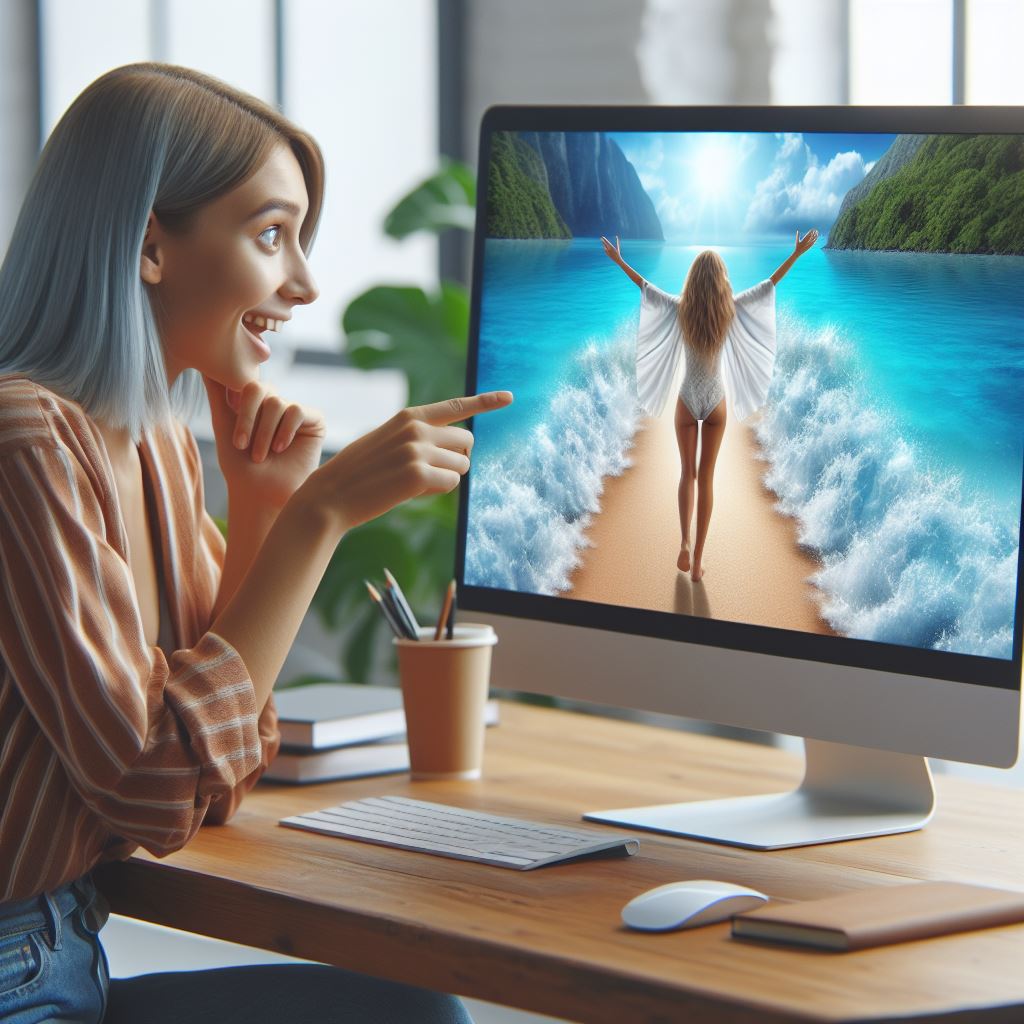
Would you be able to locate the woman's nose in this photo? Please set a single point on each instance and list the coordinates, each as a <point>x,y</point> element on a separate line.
<point>301,286</point>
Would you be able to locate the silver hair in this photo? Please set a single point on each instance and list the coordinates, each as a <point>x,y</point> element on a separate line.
<point>75,315</point>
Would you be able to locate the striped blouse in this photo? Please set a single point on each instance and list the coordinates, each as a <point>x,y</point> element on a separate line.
<point>106,743</point>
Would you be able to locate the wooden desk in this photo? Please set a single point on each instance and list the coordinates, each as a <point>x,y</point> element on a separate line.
<point>550,940</point>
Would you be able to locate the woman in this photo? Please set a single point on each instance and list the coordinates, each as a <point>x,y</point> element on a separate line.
<point>165,232</point>
<point>727,344</point>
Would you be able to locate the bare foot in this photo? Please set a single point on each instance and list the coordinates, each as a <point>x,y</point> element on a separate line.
<point>697,574</point>
<point>684,559</point>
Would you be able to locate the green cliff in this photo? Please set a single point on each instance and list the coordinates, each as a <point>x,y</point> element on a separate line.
<point>959,194</point>
<point>518,200</point>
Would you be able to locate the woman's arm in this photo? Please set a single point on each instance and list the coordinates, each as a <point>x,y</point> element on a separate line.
<point>799,248</point>
<point>416,452</point>
<point>615,255</point>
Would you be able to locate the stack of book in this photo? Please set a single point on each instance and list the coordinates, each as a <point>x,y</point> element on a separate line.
<point>342,731</point>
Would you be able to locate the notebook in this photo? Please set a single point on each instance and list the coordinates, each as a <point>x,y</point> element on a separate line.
<point>326,715</point>
<point>352,762</point>
<point>883,915</point>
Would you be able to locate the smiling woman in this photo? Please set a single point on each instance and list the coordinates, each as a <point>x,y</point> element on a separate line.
<point>165,231</point>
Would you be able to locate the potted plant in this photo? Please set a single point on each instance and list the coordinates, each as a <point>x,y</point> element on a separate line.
<point>424,335</point>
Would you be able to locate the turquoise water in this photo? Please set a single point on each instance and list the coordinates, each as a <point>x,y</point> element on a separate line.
<point>939,340</point>
<point>893,430</point>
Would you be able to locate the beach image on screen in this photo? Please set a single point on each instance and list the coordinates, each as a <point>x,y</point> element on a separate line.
<point>875,490</point>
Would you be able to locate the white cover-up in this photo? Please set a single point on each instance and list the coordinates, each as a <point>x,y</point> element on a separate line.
<point>747,358</point>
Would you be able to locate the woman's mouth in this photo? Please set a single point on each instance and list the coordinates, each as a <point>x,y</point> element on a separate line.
<point>254,325</point>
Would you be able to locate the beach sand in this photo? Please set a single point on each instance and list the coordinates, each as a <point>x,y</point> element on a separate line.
<point>755,572</point>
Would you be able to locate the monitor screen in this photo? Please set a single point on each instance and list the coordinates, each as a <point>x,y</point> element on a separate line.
<point>863,389</point>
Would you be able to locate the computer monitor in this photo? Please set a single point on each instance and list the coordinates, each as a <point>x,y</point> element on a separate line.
<point>862,567</point>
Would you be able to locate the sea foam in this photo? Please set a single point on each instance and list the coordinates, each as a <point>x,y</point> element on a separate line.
<point>529,508</point>
<point>908,555</point>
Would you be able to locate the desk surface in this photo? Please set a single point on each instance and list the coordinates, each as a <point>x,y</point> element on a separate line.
<point>550,940</point>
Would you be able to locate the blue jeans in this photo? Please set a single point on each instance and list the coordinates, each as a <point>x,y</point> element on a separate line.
<point>53,968</point>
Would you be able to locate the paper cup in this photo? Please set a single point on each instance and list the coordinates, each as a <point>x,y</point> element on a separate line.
<point>444,689</point>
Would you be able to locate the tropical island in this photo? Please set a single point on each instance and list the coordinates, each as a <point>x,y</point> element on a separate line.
<point>551,185</point>
<point>940,193</point>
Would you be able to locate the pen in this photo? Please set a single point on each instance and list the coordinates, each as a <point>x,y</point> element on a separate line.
<point>446,608</point>
<point>401,604</point>
<point>388,614</point>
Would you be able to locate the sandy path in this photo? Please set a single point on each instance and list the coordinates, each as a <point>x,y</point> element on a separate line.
<point>755,571</point>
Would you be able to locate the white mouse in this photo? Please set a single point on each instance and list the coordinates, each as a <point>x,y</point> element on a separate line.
<point>689,905</point>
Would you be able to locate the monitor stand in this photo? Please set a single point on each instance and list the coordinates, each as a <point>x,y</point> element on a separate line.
<point>847,793</point>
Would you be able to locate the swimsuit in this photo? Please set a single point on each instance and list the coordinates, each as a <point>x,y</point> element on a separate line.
<point>702,388</point>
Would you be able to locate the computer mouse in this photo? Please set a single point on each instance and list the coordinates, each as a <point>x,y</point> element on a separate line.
<point>689,905</point>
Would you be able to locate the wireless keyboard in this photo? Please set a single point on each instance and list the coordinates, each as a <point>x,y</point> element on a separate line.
<point>466,835</point>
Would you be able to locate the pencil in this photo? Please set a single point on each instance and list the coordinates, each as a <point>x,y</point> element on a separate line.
<point>388,599</point>
<point>446,608</point>
<point>451,612</point>
<point>385,610</point>
<point>402,604</point>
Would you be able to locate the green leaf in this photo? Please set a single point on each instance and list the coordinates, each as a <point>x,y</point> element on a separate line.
<point>420,334</point>
<point>445,200</point>
<point>362,555</point>
<point>424,335</point>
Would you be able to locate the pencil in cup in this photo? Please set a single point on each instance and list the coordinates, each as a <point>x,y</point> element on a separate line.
<point>447,616</point>
<point>397,626</point>
<point>401,606</point>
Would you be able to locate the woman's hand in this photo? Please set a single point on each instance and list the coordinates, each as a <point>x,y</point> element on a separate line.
<point>415,452</point>
<point>800,246</point>
<point>266,446</point>
<point>803,244</point>
<point>613,252</point>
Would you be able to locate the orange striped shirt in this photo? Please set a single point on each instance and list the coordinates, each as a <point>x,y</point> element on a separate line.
<point>106,743</point>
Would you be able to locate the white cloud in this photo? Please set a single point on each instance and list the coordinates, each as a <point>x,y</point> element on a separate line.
<point>650,182</point>
<point>801,192</point>
<point>675,214</point>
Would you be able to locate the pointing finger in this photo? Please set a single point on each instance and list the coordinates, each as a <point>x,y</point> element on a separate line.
<point>455,409</point>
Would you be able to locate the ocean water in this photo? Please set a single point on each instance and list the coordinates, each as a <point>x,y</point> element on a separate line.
<point>893,431</point>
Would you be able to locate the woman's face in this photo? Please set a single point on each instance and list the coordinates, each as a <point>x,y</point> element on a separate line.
<point>240,256</point>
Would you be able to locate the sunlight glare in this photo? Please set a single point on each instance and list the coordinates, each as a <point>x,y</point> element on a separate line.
<point>714,167</point>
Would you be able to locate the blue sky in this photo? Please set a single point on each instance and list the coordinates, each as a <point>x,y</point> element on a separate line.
<point>729,187</point>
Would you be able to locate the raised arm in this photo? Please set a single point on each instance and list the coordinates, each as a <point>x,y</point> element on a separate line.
<point>615,255</point>
<point>799,248</point>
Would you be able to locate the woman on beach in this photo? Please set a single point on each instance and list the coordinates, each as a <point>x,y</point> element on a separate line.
<point>727,344</point>
<point>164,232</point>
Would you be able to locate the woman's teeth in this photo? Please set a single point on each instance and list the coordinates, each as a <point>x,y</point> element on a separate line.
<point>262,322</point>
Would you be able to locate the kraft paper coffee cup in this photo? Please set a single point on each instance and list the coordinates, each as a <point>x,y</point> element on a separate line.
<point>444,690</point>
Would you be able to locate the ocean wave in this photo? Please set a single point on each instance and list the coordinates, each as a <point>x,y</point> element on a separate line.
<point>908,555</point>
<point>529,509</point>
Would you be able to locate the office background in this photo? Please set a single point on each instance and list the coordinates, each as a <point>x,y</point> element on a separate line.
<point>387,87</point>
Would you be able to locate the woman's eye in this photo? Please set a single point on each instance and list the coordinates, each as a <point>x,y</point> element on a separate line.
<point>271,240</point>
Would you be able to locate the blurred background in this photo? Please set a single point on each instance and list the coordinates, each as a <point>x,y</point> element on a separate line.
<point>392,88</point>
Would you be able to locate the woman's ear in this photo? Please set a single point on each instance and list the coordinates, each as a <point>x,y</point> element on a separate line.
<point>151,263</point>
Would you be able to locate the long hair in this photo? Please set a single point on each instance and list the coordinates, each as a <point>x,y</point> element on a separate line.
<point>75,315</point>
<point>707,309</point>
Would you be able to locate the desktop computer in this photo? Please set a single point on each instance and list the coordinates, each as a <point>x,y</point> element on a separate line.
<point>861,571</point>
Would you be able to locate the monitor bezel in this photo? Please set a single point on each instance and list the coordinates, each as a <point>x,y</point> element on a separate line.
<point>900,659</point>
